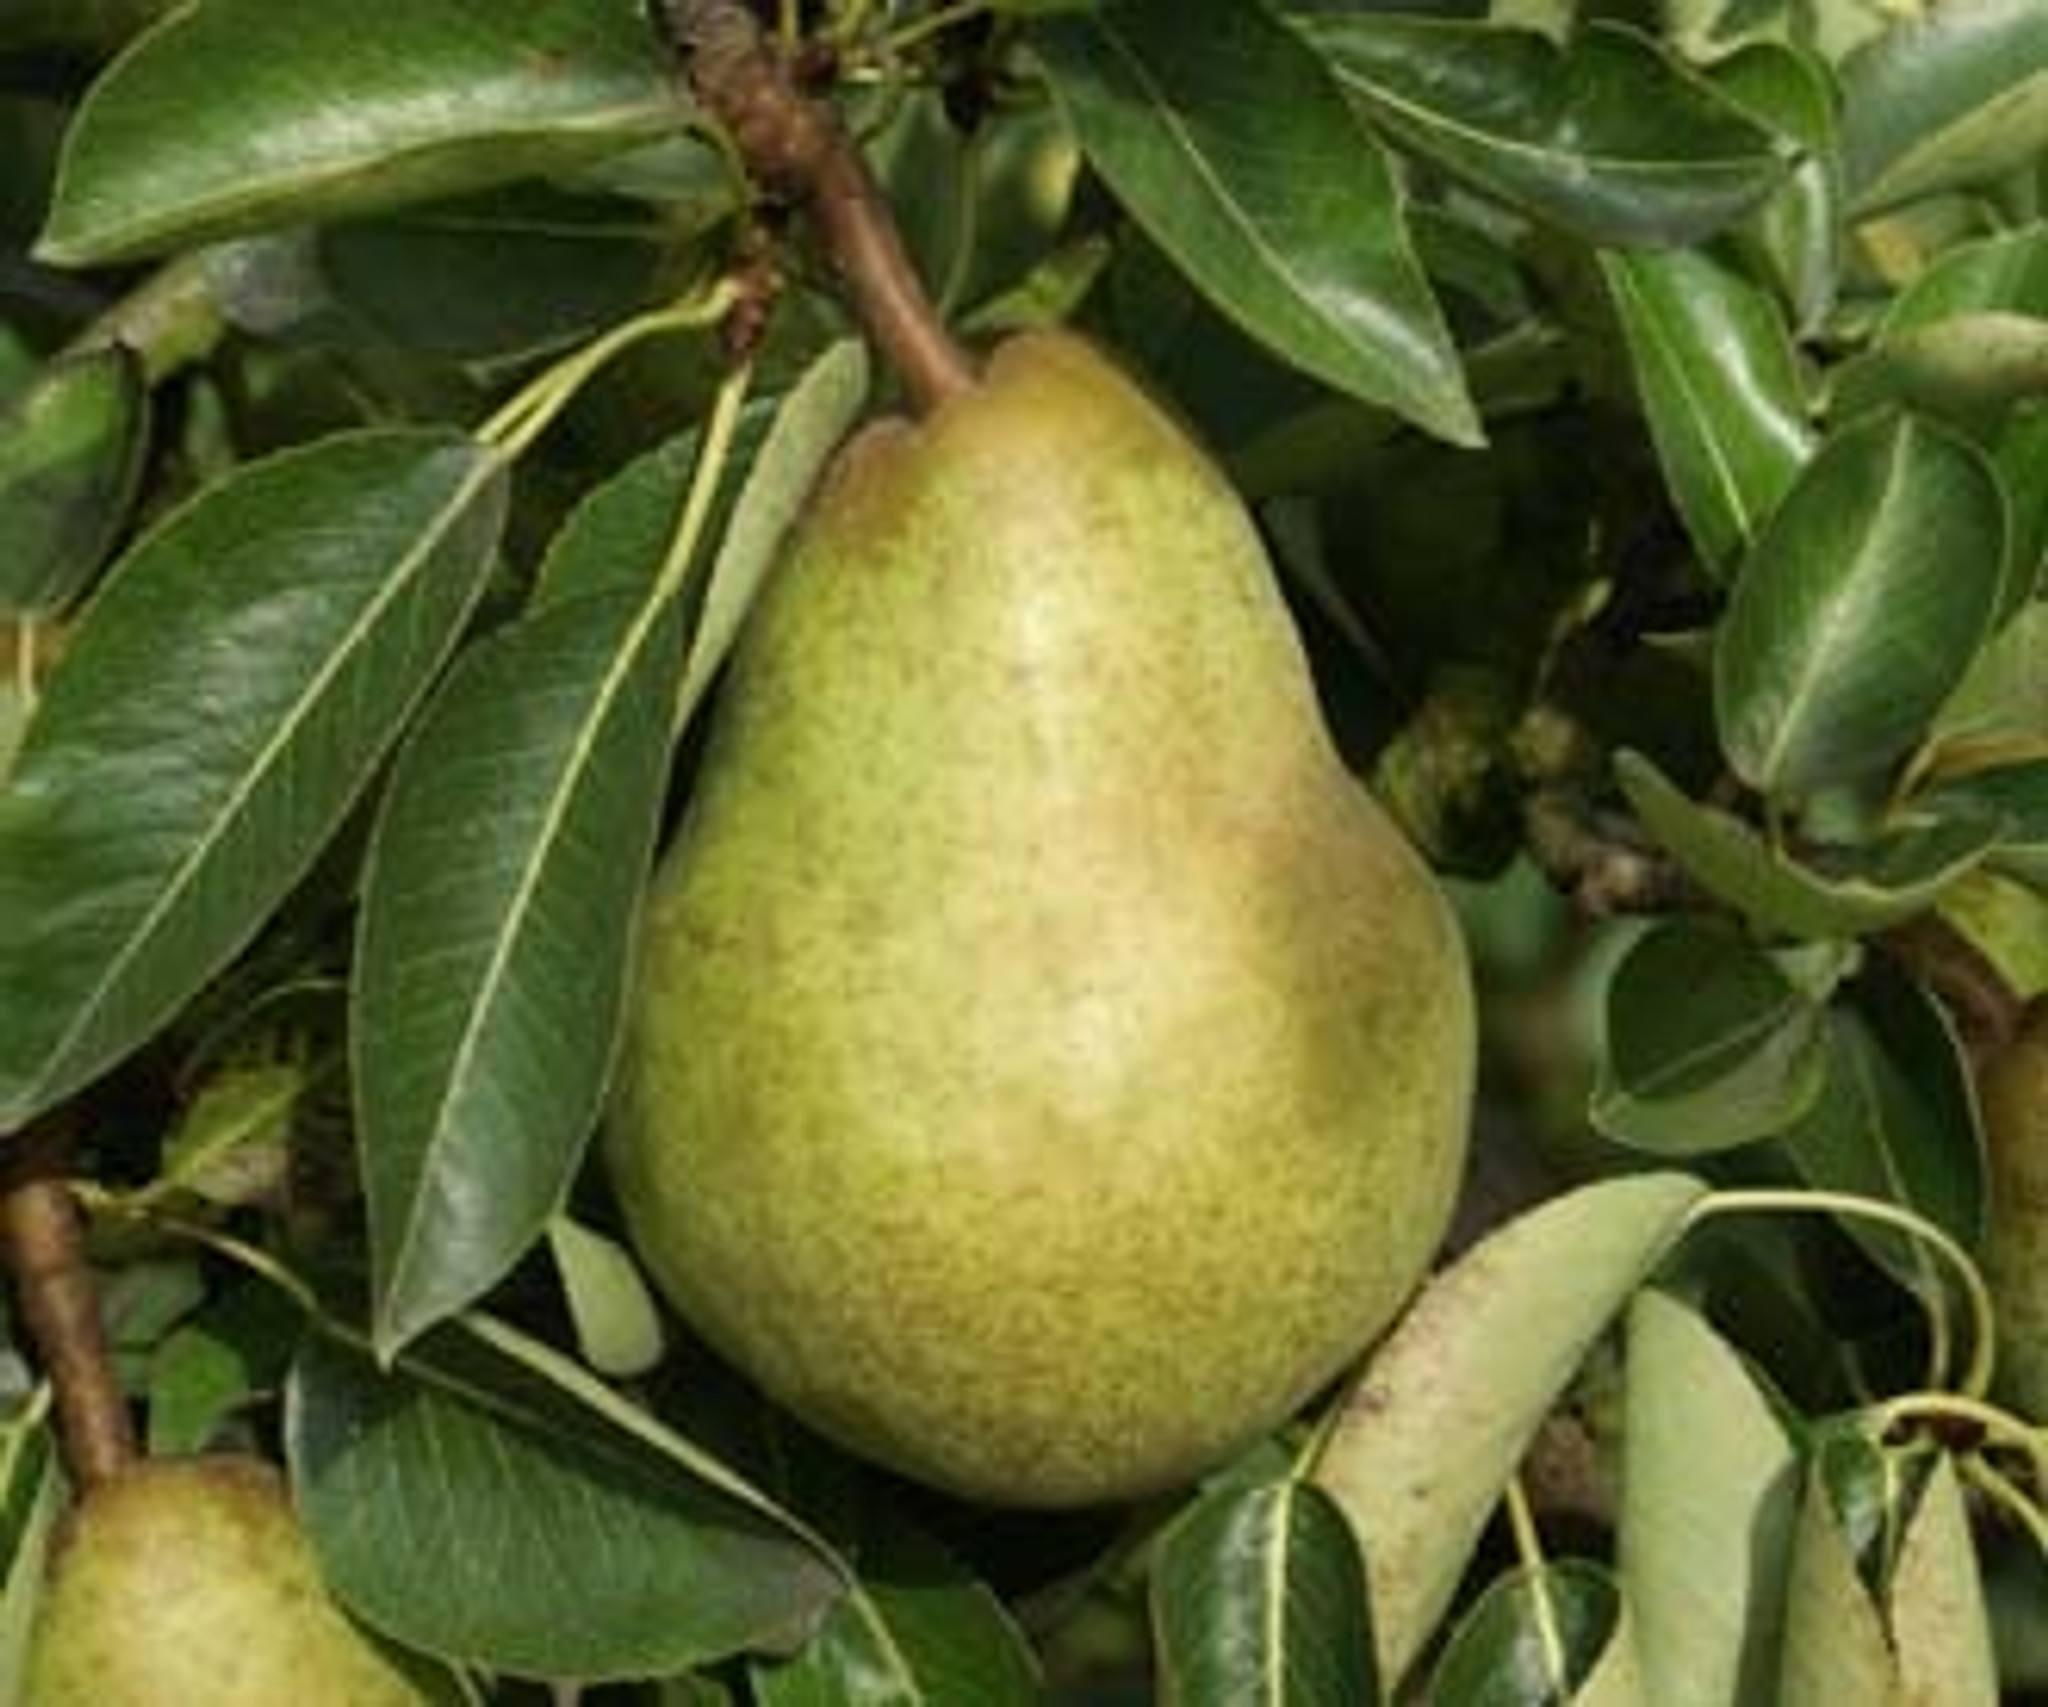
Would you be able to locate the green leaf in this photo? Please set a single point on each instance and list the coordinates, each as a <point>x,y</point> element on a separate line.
<point>507,272</point>
<point>1709,1488</point>
<point>490,967</point>
<point>914,1630</point>
<point>1862,605</point>
<point>1708,1043</point>
<point>1844,892</point>
<point>1258,1594</point>
<point>1721,388</point>
<point>226,698</point>
<point>232,1351</point>
<point>242,114</point>
<point>1954,96</point>
<point>2017,797</point>
<point>71,451</point>
<point>1445,1408</point>
<point>1796,234</point>
<point>1606,138</point>
<point>1533,1637</point>
<point>618,1326</point>
<point>31,1499</point>
<point>489,1503</point>
<point>1233,147</point>
<point>1898,1122</point>
<point>1940,1627</point>
<point>2005,274</point>
<point>1999,712</point>
<point>1967,370</point>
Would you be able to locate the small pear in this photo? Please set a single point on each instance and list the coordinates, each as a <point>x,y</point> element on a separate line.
<point>184,1582</point>
<point>1048,1066</point>
<point>2013,1093</point>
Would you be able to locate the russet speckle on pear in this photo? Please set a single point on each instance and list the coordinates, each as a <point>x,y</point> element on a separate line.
<point>2013,1095</point>
<point>1048,1066</point>
<point>184,1582</point>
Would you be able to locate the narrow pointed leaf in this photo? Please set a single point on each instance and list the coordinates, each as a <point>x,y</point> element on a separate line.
<point>1836,1648</point>
<point>1849,892</point>
<point>489,1503</point>
<point>1956,96</point>
<point>1721,388</point>
<point>241,114</point>
<point>1230,143</point>
<point>1708,1044</point>
<point>1709,1490</point>
<point>617,1323</point>
<point>1941,1629</point>
<point>1501,1654</point>
<point>1860,608</point>
<point>31,1501</point>
<point>1606,138</point>
<point>227,697</point>
<point>489,973</point>
<point>71,450</point>
<point>1449,1402</point>
<point>1258,1594</point>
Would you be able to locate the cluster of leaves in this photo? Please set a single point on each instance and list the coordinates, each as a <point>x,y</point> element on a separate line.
<point>1645,402</point>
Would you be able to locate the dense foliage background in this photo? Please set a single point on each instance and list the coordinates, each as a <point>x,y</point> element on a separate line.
<point>1644,404</point>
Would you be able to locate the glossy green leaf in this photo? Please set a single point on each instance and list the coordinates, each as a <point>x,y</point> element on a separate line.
<point>1940,1627</point>
<point>1259,1594</point>
<point>1954,95</point>
<point>492,941</point>
<point>1860,608</point>
<point>1897,1121</point>
<point>1722,390</point>
<point>508,271</point>
<point>1844,892</point>
<point>1708,1492</point>
<point>1796,234</point>
<point>1447,1405</point>
<point>71,450</point>
<point>490,1503</point>
<point>1232,146</point>
<point>1835,1645</point>
<point>2022,456</point>
<point>227,697</point>
<point>1606,137</point>
<point>915,1629</point>
<point>2005,274</point>
<point>617,1323</point>
<point>242,114</point>
<point>2017,796</point>
<point>1531,1639</point>
<point>1708,1043</point>
<point>1967,370</point>
<point>1999,712</point>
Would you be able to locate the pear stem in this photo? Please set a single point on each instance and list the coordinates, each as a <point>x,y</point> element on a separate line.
<point>59,1304</point>
<point>794,144</point>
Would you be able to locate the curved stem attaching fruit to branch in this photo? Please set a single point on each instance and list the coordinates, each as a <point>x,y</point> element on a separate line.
<point>795,145</point>
<point>59,1304</point>
<point>1976,1377</point>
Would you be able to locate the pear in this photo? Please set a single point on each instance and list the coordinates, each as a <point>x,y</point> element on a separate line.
<point>185,1581</point>
<point>2013,1094</point>
<point>1048,1067</point>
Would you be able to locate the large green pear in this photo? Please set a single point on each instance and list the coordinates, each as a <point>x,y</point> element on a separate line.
<point>2013,1092</point>
<point>1048,1067</point>
<point>188,1583</point>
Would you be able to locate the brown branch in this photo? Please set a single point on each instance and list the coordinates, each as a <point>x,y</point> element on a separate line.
<point>1986,1009</point>
<point>794,145</point>
<point>58,1302</point>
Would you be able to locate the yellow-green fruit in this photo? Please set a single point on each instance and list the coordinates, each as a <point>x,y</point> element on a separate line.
<point>188,1581</point>
<point>2014,1094</point>
<point>1048,1066</point>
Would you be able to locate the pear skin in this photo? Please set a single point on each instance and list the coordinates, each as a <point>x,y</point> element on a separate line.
<point>188,1581</point>
<point>2013,1094</point>
<point>1048,1066</point>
